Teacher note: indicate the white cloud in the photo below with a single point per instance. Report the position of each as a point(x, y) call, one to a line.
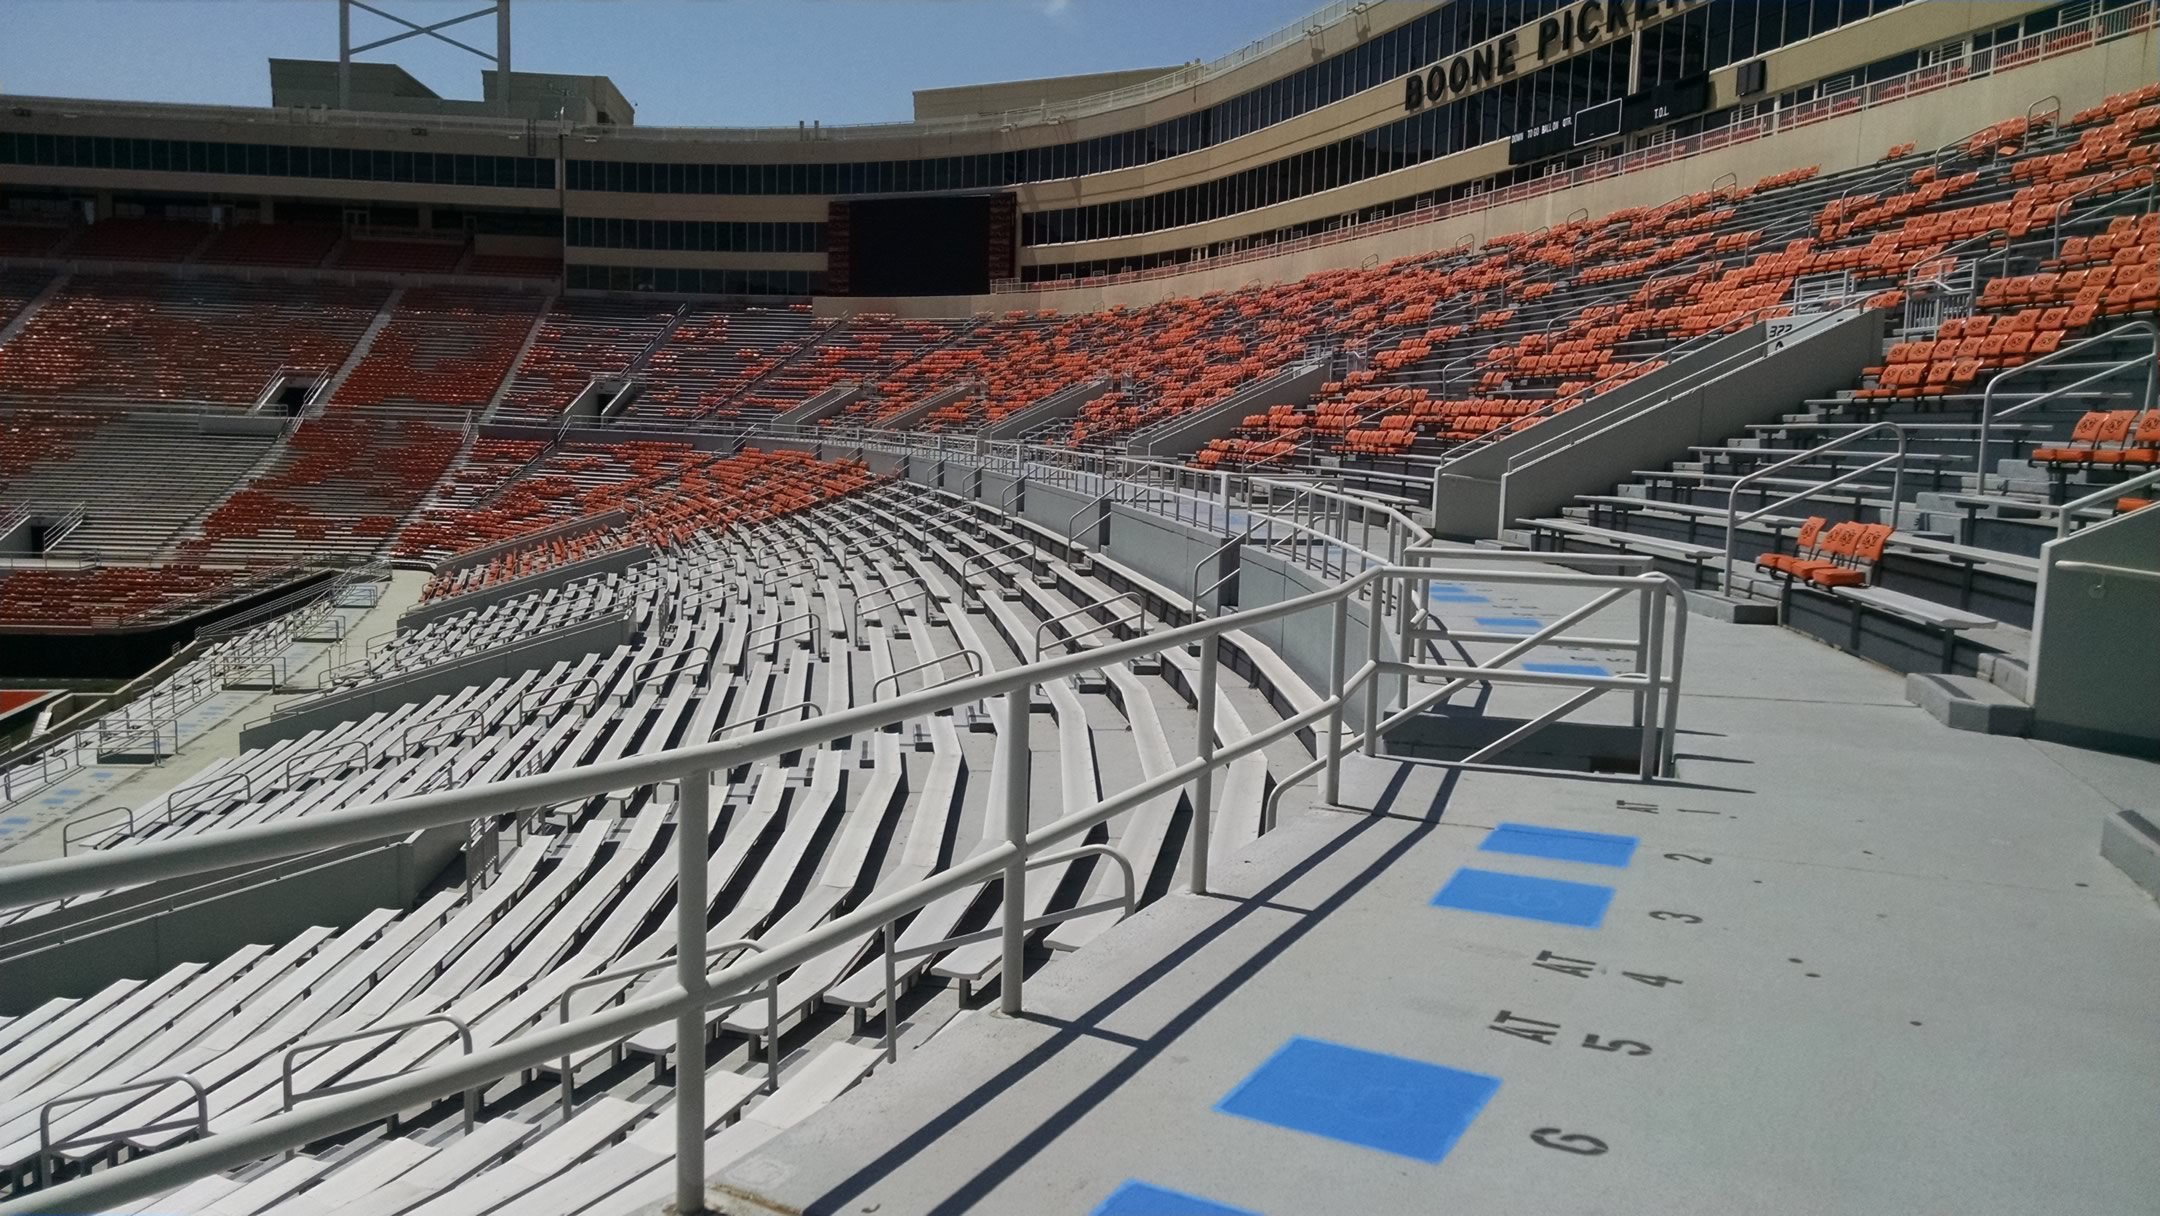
point(1056, 8)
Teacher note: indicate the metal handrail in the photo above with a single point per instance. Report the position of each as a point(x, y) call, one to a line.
point(656, 677)
point(1025, 553)
point(1896, 461)
point(2062, 209)
point(975, 663)
point(2066, 511)
point(1987, 395)
point(809, 615)
point(1212, 554)
point(815, 711)
point(219, 782)
point(1126, 903)
point(893, 601)
point(318, 1046)
point(564, 1066)
point(47, 1146)
point(2104, 570)
point(466, 717)
point(692, 766)
point(67, 830)
point(1139, 609)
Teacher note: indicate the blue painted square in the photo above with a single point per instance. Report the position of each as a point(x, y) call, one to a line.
point(1526, 624)
point(102, 774)
point(1136, 1198)
point(1390, 1103)
point(1560, 844)
point(1546, 899)
point(1456, 595)
point(1569, 669)
point(16, 819)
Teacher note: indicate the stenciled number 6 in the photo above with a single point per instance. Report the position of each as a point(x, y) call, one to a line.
point(1570, 1142)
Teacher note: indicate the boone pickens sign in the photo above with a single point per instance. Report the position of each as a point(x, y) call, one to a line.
point(1567, 33)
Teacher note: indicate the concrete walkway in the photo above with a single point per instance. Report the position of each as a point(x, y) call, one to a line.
point(1852, 962)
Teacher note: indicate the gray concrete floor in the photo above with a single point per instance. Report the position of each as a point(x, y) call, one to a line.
point(1899, 979)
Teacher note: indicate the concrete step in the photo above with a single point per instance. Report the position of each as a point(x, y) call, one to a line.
point(1969, 703)
point(2009, 673)
point(2132, 841)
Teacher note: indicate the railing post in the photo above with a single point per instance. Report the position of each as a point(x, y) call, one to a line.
point(1203, 786)
point(1406, 642)
point(892, 997)
point(1371, 725)
point(1654, 669)
point(693, 830)
point(1642, 646)
point(1338, 633)
point(1019, 704)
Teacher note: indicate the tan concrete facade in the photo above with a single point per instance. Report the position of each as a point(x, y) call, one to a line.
point(1826, 55)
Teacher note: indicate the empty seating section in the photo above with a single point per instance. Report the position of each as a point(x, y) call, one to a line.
point(586, 887)
point(151, 338)
point(868, 347)
point(668, 492)
point(33, 240)
point(514, 266)
point(96, 461)
point(442, 347)
point(713, 354)
point(2031, 243)
point(490, 467)
point(581, 340)
point(340, 487)
point(401, 257)
point(31, 438)
point(141, 240)
point(271, 245)
point(17, 289)
point(122, 595)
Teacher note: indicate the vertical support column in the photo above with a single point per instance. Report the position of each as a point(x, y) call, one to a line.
point(1019, 704)
point(693, 833)
point(344, 54)
point(1203, 785)
point(1338, 632)
point(502, 53)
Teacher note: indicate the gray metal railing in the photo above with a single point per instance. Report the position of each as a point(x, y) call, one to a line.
point(692, 768)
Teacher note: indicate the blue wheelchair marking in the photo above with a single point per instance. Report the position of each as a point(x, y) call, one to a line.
point(1136, 1198)
point(1524, 623)
point(1389, 1103)
point(1569, 669)
point(1519, 895)
point(1560, 844)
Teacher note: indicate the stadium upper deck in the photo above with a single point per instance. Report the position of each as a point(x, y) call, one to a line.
point(1339, 122)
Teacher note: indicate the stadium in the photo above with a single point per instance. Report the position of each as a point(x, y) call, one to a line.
point(1511, 606)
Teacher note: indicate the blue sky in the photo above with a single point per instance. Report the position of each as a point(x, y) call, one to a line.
point(681, 62)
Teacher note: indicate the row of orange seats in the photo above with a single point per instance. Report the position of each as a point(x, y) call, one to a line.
point(2109, 437)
